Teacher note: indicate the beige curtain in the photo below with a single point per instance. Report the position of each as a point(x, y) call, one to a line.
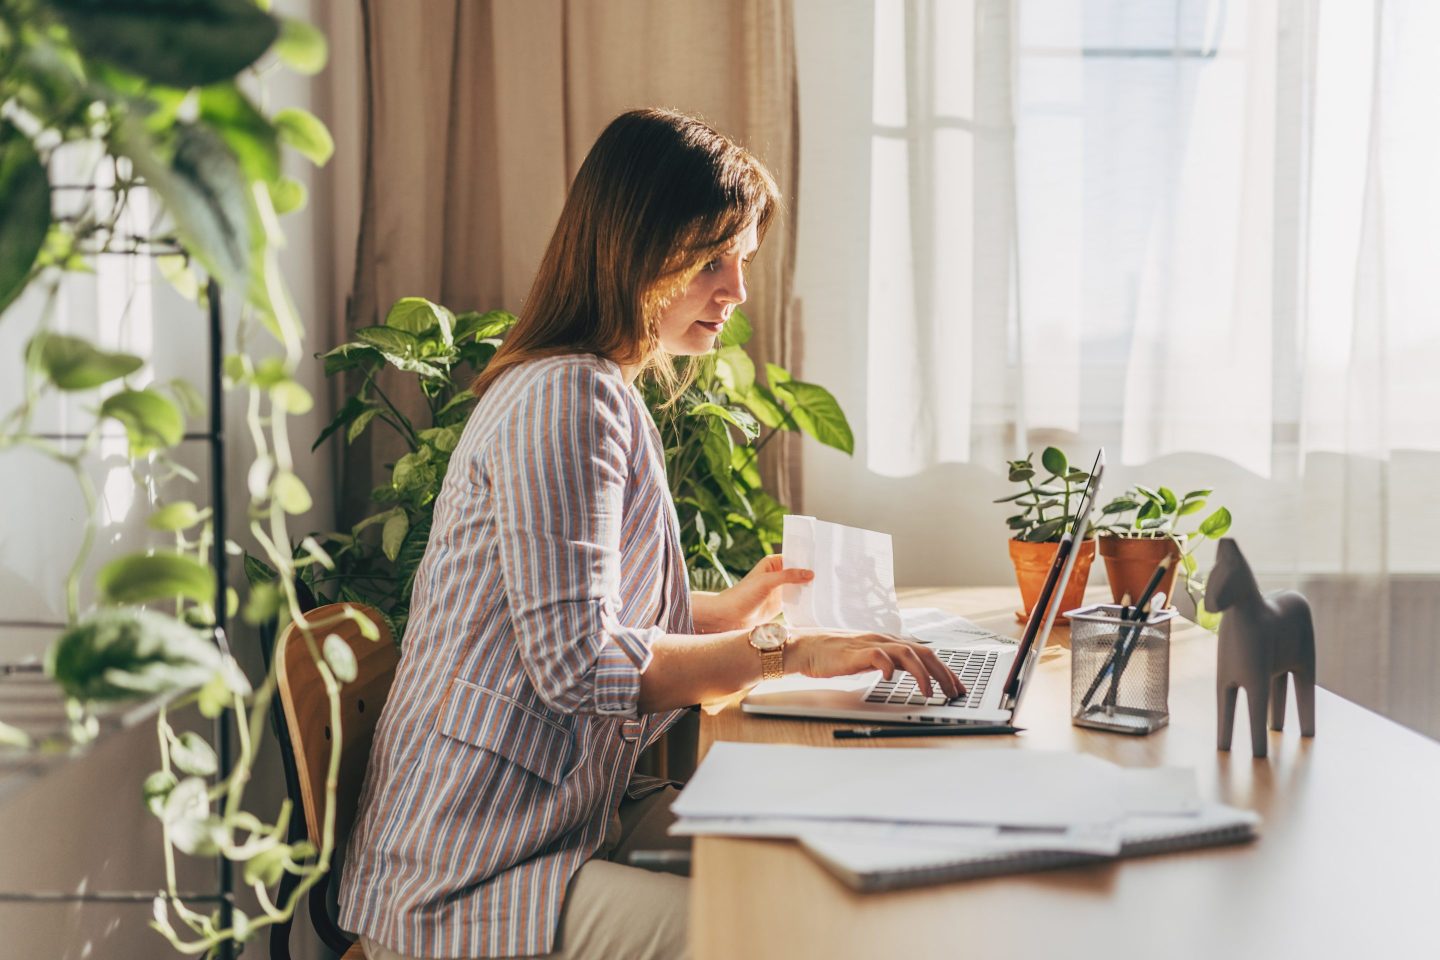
point(478, 114)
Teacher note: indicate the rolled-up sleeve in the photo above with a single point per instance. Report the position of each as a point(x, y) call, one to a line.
point(558, 470)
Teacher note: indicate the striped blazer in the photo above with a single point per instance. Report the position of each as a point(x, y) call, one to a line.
point(511, 732)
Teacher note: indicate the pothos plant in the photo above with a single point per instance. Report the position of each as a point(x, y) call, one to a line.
point(171, 100)
point(1145, 513)
point(712, 436)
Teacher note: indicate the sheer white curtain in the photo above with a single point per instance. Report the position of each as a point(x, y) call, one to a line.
point(1184, 228)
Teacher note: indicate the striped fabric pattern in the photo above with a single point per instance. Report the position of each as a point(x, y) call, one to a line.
point(512, 730)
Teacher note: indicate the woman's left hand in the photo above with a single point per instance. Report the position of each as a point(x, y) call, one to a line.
point(754, 600)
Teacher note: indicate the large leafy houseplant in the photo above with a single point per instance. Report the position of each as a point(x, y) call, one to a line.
point(170, 99)
point(712, 435)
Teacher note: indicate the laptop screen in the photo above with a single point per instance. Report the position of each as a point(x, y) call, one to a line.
point(1042, 616)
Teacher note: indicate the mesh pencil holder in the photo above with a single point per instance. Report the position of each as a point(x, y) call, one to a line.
point(1102, 646)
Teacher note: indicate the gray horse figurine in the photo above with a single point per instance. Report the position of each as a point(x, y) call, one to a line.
point(1262, 640)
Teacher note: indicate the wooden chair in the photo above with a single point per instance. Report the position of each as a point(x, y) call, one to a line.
point(307, 720)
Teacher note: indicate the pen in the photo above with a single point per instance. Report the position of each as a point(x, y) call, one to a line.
point(1140, 612)
point(872, 733)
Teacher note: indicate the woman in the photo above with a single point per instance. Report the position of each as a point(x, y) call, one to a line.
point(552, 634)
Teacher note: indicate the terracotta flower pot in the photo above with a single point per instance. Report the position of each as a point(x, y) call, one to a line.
point(1032, 562)
point(1130, 561)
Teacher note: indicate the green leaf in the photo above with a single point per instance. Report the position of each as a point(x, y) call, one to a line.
point(1046, 532)
point(735, 369)
point(362, 421)
point(776, 375)
point(258, 571)
point(744, 462)
point(11, 736)
point(1053, 459)
point(287, 195)
point(764, 405)
point(266, 867)
point(129, 653)
point(1194, 494)
point(243, 128)
point(177, 44)
point(1168, 501)
point(74, 364)
point(340, 658)
point(186, 814)
point(301, 46)
point(1216, 525)
point(420, 317)
point(1188, 507)
point(348, 356)
point(193, 755)
point(349, 410)
point(174, 517)
point(303, 130)
point(141, 578)
point(156, 788)
point(262, 604)
point(717, 447)
point(24, 210)
point(392, 535)
point(205, 192)
point(1021, 474)
point(818, 414)
point(290, 492)
point(1150, 495)
point(736, 332)
point(292, 398)
point(151, 419)
point(1120, 505)
point(482, 326)
point(733, 416)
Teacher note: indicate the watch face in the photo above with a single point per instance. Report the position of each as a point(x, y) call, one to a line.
point(768, 636)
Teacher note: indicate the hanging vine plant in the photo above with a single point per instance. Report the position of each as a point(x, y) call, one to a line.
point(171, 99)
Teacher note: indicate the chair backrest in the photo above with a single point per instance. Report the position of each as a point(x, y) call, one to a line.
point(307, 709)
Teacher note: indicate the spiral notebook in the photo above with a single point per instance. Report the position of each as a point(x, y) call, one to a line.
point(868, 865)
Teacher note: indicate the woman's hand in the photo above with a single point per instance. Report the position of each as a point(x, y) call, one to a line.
point(826, 653)
point(754, 600)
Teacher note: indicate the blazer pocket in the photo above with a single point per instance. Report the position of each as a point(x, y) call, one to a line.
point(493, 721)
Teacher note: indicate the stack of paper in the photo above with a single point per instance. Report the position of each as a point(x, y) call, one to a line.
point(884, 818)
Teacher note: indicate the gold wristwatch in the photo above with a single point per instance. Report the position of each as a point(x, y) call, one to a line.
point(770, 639)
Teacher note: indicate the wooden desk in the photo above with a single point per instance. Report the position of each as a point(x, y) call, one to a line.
point(1347, 863)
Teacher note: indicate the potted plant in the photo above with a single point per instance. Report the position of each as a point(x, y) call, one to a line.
point(1140, 528)
point(712, 436)
point(1046, 512)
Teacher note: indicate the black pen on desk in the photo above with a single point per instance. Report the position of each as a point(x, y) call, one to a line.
point(873, 733)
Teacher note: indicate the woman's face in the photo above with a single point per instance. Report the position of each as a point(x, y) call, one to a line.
point(691, 323)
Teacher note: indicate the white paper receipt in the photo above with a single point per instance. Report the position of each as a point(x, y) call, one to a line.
point(854, 585)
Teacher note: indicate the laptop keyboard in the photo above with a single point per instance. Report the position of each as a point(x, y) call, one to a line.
point(973, 667)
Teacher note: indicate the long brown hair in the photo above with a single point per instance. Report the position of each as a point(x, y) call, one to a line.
point(659, 194)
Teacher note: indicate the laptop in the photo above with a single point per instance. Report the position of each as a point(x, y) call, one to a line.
point(995, 673)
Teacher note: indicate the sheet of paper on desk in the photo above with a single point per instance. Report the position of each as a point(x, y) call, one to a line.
point(854, 585)
point(1021, 788)
point(932, 625)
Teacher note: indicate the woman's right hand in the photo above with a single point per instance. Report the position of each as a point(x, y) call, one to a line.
point(828, 653)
